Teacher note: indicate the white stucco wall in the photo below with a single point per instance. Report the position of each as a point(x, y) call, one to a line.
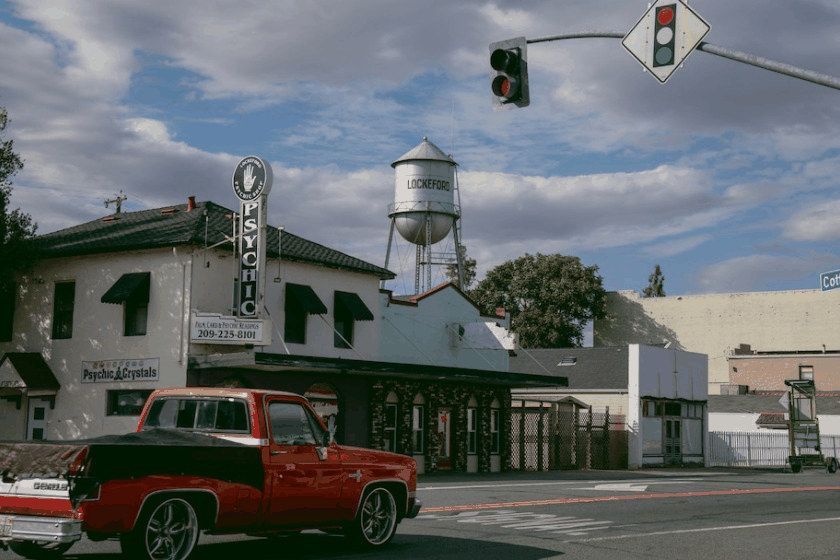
point(422, 333)
point(666, 374)
point(98, 336)
point(181, 281)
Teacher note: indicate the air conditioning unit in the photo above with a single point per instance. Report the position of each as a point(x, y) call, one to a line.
point(456, 334)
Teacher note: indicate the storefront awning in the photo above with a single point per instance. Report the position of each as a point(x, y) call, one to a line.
point(307, 298)
point(26, 372)
point(354, 304)
point(132, 286)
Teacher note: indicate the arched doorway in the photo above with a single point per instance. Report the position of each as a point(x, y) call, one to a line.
point(324, 399)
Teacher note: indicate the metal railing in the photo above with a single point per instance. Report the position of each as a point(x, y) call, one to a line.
point(758, 449)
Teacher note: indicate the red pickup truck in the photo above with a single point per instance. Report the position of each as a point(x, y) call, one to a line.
point(215, 460)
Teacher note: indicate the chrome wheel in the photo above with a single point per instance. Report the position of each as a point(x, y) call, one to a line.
point(171, 531)
point(377, 520)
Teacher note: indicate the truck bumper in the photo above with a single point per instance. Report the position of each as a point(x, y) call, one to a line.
point(414, 505)
point(44, 529)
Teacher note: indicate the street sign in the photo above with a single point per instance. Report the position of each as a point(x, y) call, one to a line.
point(665, 36)
point(830, 280)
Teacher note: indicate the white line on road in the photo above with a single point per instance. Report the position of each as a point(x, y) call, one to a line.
point(729, 528)
point(564, 483)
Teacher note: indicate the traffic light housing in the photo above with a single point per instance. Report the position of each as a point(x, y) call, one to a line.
point(509, 75)
point(664, 35)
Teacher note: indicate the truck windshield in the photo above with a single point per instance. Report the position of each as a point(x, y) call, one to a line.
point(206, 415)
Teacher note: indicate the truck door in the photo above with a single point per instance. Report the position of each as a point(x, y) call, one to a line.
point(305, 487)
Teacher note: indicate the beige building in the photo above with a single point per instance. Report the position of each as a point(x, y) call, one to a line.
point(717, 324)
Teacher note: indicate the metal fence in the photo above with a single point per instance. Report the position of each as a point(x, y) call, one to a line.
point(758, 449)
point(546, 436)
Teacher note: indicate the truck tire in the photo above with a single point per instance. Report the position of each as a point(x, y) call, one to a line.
point(37, 550)
point(166, 530)
point(376, 522)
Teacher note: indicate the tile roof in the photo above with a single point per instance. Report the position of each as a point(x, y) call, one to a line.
point(593, 368)
point(174, 226)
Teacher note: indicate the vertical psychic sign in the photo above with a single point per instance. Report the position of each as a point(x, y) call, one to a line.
point(251, 183)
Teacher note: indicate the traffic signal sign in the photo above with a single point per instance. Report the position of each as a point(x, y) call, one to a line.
point(664, 35)
point(509, 77)
point(653, 40)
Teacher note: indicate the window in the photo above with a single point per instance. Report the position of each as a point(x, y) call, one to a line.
point(65, 293)
point(494, 430)
point(294, 326)
point(472, 421)
point(343, 327)
point(391, 423)
point(291, 424)
point(806, 372)
point(210, 415)
point(301, 301)
point(127, 403)
point(348, 308)
point(132, 292)
point(323, 399)
point(136, 314)
point(7, 312)
point(418, 425)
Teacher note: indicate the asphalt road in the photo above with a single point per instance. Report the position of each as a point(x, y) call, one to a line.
point(658, 514)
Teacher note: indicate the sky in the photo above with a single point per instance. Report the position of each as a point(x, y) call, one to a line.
point(725, 176)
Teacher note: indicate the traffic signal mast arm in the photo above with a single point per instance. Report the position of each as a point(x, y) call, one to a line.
point(737, 56)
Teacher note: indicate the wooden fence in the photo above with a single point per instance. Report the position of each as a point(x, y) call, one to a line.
point(759, 449)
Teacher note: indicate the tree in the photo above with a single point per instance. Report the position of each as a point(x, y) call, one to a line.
point(17, 231)
point(656, 284)
point(551, 298)
point(469, 271)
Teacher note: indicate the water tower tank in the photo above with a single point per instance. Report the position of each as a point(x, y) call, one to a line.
point(424, 193)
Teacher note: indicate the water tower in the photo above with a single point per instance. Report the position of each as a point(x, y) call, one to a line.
point(424, 209)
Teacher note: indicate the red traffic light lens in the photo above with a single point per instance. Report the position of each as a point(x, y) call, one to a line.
point(504, 86)
point(665, 15)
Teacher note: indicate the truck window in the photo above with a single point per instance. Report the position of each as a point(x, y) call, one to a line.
point(206, 415)
point(291, 424)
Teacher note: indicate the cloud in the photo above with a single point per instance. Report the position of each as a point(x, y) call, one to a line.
point(817, 222)
point(757, 272)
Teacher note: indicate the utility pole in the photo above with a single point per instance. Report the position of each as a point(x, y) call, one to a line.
point(118, 201)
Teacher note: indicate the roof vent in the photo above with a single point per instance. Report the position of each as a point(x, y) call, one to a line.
point(169, 211)
point(567, 361)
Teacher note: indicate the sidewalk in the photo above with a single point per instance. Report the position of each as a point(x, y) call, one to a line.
point(439, 477)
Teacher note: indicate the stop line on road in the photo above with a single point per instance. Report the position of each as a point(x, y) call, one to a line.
point(525, 521)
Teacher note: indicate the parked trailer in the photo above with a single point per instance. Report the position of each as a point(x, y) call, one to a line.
point(804, 428)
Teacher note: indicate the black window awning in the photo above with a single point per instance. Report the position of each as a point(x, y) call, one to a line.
point(133, 286)
point(26, 372)
point(307, 298)
point(354, 305)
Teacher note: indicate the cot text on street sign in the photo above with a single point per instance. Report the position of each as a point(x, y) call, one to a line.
point(830, 280)
point(667, 33)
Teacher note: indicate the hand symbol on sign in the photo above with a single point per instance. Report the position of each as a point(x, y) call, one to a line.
point(248, 179)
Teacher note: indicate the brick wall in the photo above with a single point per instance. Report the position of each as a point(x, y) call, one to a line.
point(442, 395)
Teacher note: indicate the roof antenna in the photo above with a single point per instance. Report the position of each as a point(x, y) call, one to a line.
point(118, 201)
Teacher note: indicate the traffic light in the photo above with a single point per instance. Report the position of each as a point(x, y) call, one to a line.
point(509, 61)
point(664, 35)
